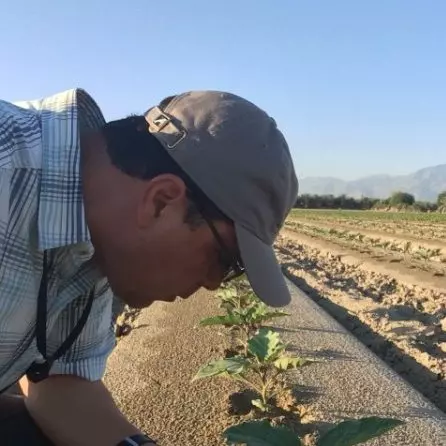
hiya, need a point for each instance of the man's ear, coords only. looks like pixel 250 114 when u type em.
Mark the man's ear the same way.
pixel 159 193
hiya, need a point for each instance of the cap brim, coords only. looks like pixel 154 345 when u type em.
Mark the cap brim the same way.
pixel 262 268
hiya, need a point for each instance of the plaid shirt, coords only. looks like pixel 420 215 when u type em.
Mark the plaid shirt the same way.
pixel 41 208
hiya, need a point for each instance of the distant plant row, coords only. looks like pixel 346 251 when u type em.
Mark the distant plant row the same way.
pixel 397 201
pixel 405 248
pixel 370 218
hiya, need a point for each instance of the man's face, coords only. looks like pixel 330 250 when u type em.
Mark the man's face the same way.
pixel 147 250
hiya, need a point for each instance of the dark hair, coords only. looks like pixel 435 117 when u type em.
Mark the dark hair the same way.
pixel 136 152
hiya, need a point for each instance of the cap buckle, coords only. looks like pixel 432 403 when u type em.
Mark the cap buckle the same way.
pixel 160 121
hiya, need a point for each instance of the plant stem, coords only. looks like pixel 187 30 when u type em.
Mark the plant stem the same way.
pixel 249 383
pixel 265 381
pixel 264 396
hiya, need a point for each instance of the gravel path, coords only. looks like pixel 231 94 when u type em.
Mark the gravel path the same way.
pixel 150 371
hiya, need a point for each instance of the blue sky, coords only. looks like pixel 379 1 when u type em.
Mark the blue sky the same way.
pixel 358 87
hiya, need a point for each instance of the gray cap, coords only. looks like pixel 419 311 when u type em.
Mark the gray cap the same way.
pixel 237 156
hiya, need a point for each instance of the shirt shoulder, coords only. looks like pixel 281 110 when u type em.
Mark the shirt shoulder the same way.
pixel 75 104
pixel 26 125
pixel 20 137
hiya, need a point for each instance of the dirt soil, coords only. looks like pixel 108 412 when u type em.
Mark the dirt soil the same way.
pixel 399 314
pixel 434 271
pixel 162 352
pixel 384 235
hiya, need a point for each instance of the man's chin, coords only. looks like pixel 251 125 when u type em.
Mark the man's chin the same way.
pixel 148 302
pixel 134 302
pixel 168 299
pixel 174 298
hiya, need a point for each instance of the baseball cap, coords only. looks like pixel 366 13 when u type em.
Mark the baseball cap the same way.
pixel 234 152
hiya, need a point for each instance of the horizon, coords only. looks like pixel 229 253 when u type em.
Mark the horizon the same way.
pixel 357 85
pixel 375 174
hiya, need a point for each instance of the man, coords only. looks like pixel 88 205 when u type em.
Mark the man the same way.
pixel 149 208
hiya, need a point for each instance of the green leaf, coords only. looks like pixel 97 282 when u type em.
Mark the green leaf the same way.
pixel 260 312
pixel 260 433
pixel 231 366
pixel 286 363
pixel 249 312
pixel 250 299
pixel 267 315
pixel 227 293
pixel 229 298
pixel 352 432
pixel 278 313
pixel 260 308
pixel 259 404
pixel 227 320
pixel 265 345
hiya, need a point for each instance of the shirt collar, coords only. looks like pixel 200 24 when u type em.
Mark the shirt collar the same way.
pixel 61 219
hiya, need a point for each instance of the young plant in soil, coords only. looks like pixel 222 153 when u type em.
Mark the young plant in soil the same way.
pixel 346 433
pixel 248 318
pixel 406 249
pixel 262 369
pixel 233 299
pixel 423 254
pixel 245 314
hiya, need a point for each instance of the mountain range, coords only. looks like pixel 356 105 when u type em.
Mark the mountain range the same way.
pixel 425 184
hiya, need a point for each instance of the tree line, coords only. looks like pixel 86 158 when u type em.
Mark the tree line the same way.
pixel 398 200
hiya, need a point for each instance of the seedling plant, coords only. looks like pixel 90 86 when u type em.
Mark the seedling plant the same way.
pixel 261 369
pixel 244 313
pixel 262 366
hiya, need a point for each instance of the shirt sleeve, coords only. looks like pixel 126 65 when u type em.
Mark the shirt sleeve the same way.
pixel 88 355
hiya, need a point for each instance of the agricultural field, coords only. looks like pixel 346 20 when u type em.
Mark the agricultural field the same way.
pixel 423 225
pixel 383 276
pixel 232 377
pixel 222 368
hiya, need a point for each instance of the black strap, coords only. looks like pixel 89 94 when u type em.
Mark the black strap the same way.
pixel 40 370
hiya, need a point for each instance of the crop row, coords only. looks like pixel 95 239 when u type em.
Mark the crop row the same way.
pixel 411 229
pixel 260 360
pixel 372 215
pixel 407 248
pixel 421 228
